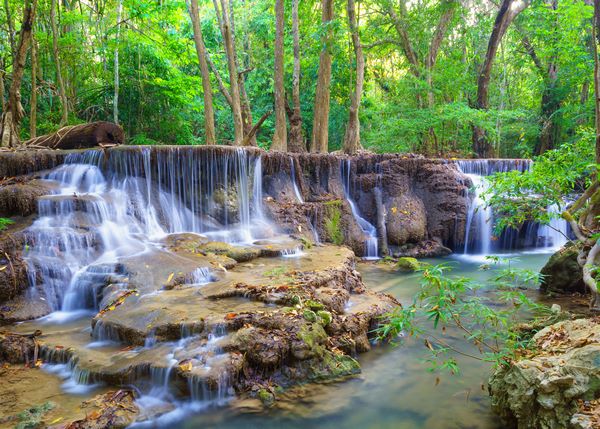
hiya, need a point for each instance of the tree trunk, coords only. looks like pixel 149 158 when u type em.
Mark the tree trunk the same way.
pixel 320 132
pixel 509 9
pixel 2 101
pixel 352 135
pixel 12 115
pixel 234 90
pixel 59 78
pixel 81 136
pixel 280 136
pixel 116 94
pixel 209 114
pixel 296 138
pixel 11 30
pixel 33 102
pixel 551 103
pixel 596 33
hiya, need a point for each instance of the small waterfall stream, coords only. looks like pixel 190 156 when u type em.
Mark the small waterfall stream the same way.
pixel 371 244
pixel 479 234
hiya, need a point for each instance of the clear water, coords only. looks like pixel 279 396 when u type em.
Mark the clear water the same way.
pixel 395 390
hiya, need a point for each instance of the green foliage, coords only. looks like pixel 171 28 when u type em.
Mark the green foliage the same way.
pixel 5 222
pixel 485 315
pixel 520 197
pixel 333 222
pixel 32 417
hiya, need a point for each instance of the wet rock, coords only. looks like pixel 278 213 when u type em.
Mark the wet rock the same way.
pixel 20 196
pixel 408 264
pixel 424 249
pixel 547 389
pixel 406 220
pixel 18 348
pixel 112 410
pixel 562 273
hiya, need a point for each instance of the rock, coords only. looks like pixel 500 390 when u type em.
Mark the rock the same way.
pixel 21 196
pixel 562 273
pixel 424 249
pixel 548 390
pixel 17 349
pixel 112 410
pixel 406 220
pixel 408 264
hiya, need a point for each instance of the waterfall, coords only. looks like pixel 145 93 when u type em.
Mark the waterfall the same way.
pixel 108 207
pixel 479 236
pixel 555 234
pixel 294 180
pixel 371 245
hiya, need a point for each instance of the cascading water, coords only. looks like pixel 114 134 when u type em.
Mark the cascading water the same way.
pixel 479 235
pixel 109 207
pixel 371 244
pixel 294 180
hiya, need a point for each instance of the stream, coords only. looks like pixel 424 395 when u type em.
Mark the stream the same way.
pixel 395 389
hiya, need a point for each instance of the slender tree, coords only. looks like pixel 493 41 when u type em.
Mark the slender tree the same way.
pixel 352 135
pixel 117 38
pixel 209 115
pixel 320 132
pixel 13 113
pixel 509 9
pixel 33 100
pixel 59 76
pixel 280 136
pixel 296 141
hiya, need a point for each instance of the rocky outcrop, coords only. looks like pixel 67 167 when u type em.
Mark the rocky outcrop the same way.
pixel 557 384
pixel 562 273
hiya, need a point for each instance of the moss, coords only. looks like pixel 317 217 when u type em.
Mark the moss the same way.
pixel 325 317
pixel 240 254
pixel 333 221
pixel 335 365
pixel 266 397
pixel 314 305
pixel 408 264
pixel 313 335
pixel 310 316
pixel 32 417
pixel 306 243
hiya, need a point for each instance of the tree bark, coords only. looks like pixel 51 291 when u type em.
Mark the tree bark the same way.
pixel 2 101
pixel 509 9
pixel 296 138
pixel 33 101
pixel 116 94
pixel 81 136
pixel 234 91
pixel 280 136
pixel 59 78
pixel 320 132
pixel 209 114
pixel 13 113
pixel 11 30
pixel 352 135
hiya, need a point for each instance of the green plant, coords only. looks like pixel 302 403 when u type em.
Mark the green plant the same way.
pixel 5 222
pixel 446 302
pixel 333 221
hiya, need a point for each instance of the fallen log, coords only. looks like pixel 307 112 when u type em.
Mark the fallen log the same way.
pixel 81 136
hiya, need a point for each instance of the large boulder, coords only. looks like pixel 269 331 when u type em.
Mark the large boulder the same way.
pixel 562 273
pixel 547 390
pixel 406 220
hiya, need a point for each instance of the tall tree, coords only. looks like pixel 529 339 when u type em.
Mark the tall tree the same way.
pixel 352 136
pixel 296 141
pixel 59 77
pixel 235 101
pixel 209 115
pixel 117 39
pixel 33 100
pixel 13 113
pixel 320 132
pixel 280 136
pixel 596 37
pixel 509 9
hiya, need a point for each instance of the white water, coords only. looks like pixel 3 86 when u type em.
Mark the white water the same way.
pixel 294 180
pixel 371 244
pixel 479 234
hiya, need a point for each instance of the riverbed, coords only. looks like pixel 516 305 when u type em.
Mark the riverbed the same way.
pixel 395 389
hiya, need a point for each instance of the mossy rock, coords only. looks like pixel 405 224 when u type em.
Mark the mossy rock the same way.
pixel 562 273
pixel 314 305
pixel 408 264
pixel 335 365
pixel 310 316
pixel 325 317
pixel 266 397
pixel 240 254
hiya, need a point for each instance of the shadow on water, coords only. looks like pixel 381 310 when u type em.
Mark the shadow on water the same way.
pixel 395 389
